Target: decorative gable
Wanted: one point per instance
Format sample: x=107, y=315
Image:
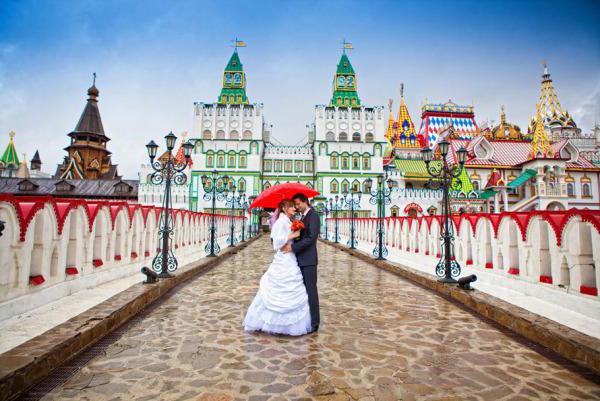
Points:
x=27, y=185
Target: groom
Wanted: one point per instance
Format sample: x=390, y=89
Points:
x=305, y=249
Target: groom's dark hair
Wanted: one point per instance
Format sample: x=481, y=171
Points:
x=302, y=197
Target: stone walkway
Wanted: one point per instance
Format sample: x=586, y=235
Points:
x=381, y=338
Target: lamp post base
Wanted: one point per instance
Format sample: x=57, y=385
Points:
x=165, y=275
x=447, y=280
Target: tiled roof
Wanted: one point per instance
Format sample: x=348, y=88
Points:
x=511, y=153
x=97, y=189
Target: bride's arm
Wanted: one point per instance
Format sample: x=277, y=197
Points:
x=280, y=234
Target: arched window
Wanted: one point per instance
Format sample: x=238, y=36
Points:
x=585, y=190
x=243, y=160
x=210, y=159
x=242, y=185
x=254, y=147
x=334, y=160
x=366, y=162
x=369, y=137
x=247, y=134
x=220, y=134
x=322, y=148
x=221, y=160
x=355, y=162
x=570, y=189
x=334, y=187
x=356, y=137
x=355, y=186
x=343, y=136
x=266, y=185
x=345, y=162
x=345, y=186
x=330, y=136
x=206, y=134
x=234, y=135
x=231, y=160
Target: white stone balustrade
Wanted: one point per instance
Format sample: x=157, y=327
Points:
x=53, y=247
x=549, y=255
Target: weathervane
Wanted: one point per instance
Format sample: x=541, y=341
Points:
x=346, y=46
x=238, y=43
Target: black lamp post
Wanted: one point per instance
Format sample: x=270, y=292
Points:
x=442, y=177
x=380, y=196
x=335, y=206
x=233, y=201
x=215, y=189
x=349, y=200
x=244, y=205
x=326, y=213
x=168, y=171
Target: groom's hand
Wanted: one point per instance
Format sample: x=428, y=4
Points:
x=286, y=248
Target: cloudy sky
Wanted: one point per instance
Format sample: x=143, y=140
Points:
x=155, y=58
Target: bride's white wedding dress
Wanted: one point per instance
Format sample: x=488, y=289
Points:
x=281, y=304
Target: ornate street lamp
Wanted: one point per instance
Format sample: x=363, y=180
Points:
x=215, y=188
x=442, y=177
x=381, y=196
x=335, y=205
x=348, y=200
x=233, y=201
x=168, y=171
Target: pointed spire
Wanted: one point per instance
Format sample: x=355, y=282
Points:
x=407, y=136
x=36, y=161
x=233, y=90
x=552, y=112
x=90, y=121
x=23, y=171
x=389, y=132
x=540, y=145
x=9, y=157
x=344, y=85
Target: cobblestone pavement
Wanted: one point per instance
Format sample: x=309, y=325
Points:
x=381, y=338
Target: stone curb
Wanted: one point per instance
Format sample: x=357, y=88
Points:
x=27, y=364
x=565, y=341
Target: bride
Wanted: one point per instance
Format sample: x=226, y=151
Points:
x=281, y=304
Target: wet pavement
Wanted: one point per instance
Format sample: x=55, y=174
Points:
x=381, y=338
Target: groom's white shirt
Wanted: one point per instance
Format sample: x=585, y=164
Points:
x=305, y=213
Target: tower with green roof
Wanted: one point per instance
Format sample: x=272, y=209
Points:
x=233, y=90
x=344, y=85
x=9, y=163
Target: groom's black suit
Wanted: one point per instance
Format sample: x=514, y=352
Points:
x=305, y=248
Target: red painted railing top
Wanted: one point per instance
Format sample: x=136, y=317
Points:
x=26, y=208
x=557, y=219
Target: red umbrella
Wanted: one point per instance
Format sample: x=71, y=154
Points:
x=270, y=198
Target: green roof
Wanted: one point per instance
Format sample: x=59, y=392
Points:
x=522, y=178
x=9, y=157
x=416, y=169
x=234, y=63
x=487, y=194
x=233, y=90
x=344, y=66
